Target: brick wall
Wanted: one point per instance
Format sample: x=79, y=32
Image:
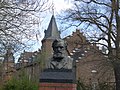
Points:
x=57, y=86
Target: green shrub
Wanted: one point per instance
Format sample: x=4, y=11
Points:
x=21, y=83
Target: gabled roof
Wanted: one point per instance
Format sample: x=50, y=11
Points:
x=52, y=30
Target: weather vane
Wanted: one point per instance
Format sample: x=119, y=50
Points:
x=52, y=7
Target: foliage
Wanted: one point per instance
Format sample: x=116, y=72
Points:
x=106, y=86
x=100, y=20
x=18, y=19
x=20, y=83
x=80, y=85
x=100, y=86
x=41, y=60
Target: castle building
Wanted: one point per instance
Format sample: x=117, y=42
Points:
x=51, y=34
x=91, y=67
x=90, y=63
x=8, y=64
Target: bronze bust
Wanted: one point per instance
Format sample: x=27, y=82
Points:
x=60, y=60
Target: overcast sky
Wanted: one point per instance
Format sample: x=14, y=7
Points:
x=58, y=6
x=61, y=5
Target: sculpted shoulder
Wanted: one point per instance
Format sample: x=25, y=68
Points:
x=59, y=59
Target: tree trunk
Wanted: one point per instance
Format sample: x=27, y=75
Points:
x=117, y=75
x=117, y=62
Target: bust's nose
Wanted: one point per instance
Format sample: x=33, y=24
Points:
x=59, y=48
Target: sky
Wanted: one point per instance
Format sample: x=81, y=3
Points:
x=61, y=5
x=58, y=6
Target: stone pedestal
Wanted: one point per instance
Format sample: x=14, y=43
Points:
x=57, y=86
x=52, y=79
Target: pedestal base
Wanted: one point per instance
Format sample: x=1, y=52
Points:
x=62, y=79
x=57, y=86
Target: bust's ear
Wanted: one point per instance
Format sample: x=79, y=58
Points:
x=66, y=44
x=53, y=43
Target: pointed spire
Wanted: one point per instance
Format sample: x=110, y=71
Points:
x=52, y=30
x=53, y=8
x=9, y=55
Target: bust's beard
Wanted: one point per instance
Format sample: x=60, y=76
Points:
x=58, y=56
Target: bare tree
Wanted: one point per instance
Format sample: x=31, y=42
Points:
x=101, y=19
x=18, y=22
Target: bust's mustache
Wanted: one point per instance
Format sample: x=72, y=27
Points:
x=58, y=55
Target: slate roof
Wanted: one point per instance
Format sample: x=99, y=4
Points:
x=52, y=30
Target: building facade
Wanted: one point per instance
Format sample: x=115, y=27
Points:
x=91, y=65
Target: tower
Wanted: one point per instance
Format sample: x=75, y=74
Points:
x=8, y=59
x=51, y=34
x=55, y=78
x=8, y=63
